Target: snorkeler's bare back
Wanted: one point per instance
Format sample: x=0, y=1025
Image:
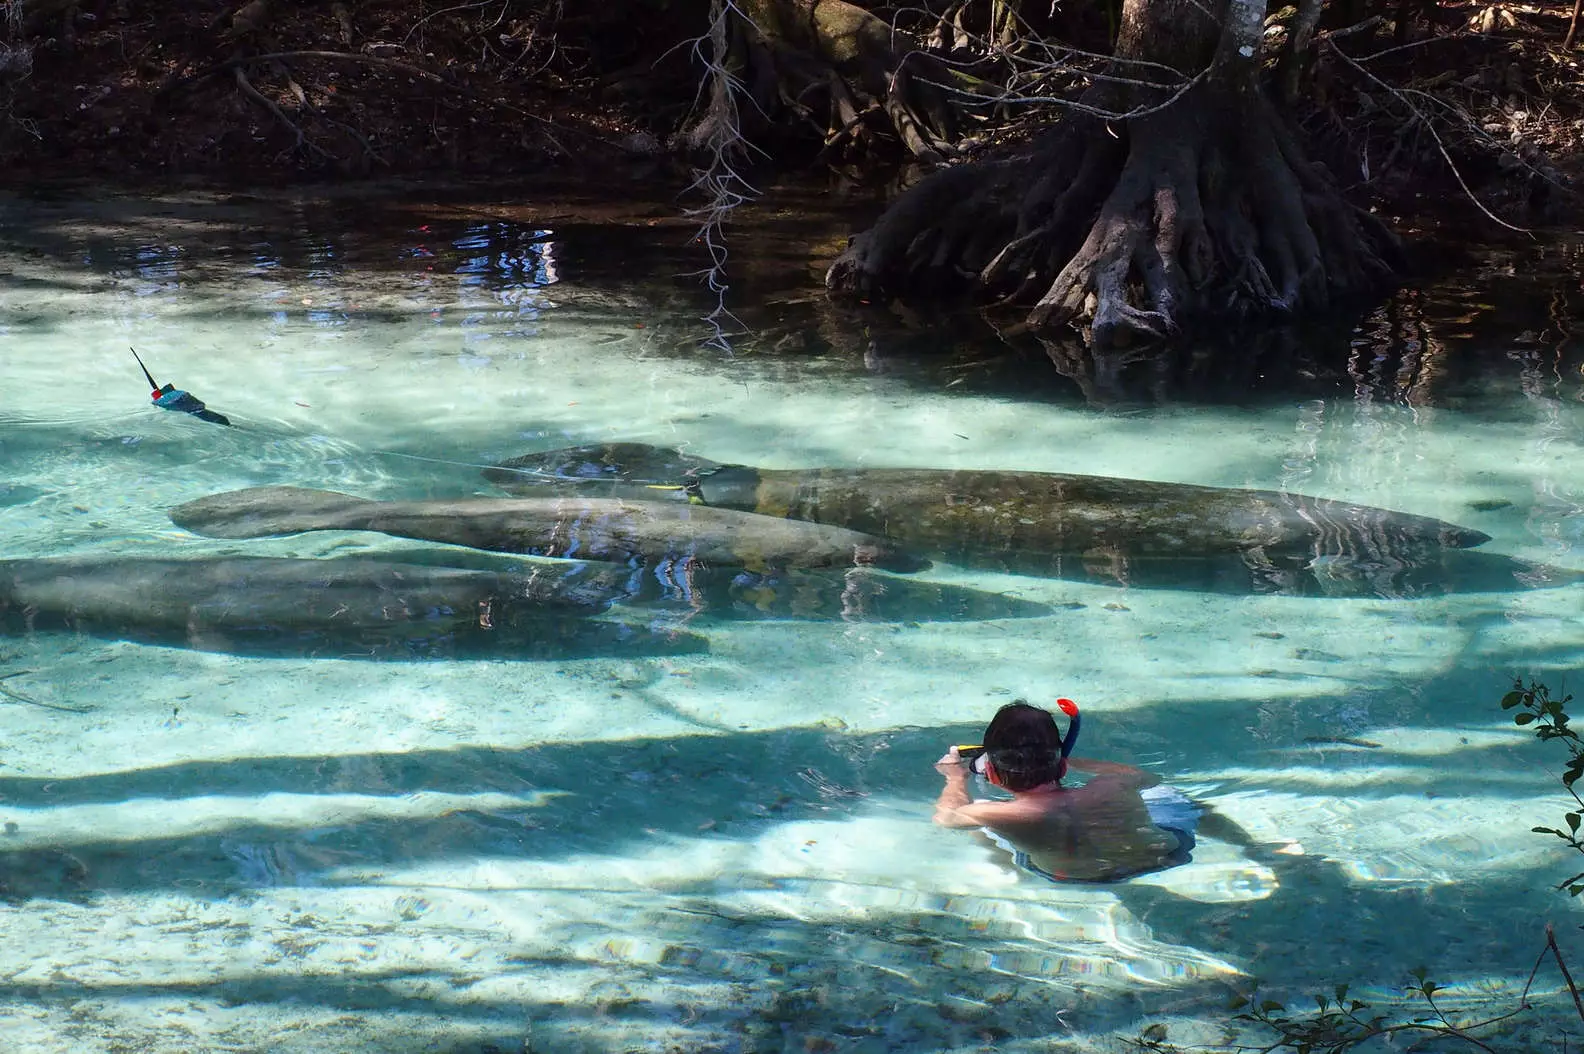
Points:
x=1097, y=832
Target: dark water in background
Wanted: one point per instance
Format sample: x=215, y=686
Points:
x=731, y=850
x=1469, y=322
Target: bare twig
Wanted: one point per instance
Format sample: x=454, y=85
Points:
x=328, y=56
x=1298, y=43
x=1566, y=976
x=1372, y=56
x=1402, y=96
x=1096, y=111
x=444, y=11
x=1523, y=997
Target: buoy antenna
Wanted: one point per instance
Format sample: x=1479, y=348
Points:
x=152, y=382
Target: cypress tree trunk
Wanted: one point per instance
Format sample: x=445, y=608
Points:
x=1198, y=204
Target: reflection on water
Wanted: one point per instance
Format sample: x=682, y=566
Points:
x=699, y=817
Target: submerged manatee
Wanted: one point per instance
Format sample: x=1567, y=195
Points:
x=611, y=529
x=1093, y=528
x=608, y=461
x=691, y=590
x=858, y=594
x=353, y=608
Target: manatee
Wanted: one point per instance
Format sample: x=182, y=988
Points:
x=692, y=590
x=352, y=608
x=1092, y=528
x=610, y=529
x=1432, y=573
x=859, y=594
x=609, y=461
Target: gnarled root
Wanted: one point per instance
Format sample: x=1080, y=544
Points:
x=869, y=76
x=1136, y=238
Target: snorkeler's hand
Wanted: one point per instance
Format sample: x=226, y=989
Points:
x=950, y=761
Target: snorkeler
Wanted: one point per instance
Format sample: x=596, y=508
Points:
x=1118, y=823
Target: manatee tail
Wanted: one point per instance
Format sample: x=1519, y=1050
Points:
x=258, y=512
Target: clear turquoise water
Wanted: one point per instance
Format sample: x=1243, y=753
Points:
x=731, y=850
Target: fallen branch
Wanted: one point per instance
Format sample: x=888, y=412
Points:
x=238, y=61
x=328, y=56
x=246, y=87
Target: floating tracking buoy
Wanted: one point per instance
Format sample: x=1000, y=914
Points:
x=169, y=397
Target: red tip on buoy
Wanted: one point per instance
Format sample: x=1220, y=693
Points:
x=154, y=395
x=1068, y=707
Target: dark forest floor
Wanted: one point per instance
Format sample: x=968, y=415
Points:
x=115, y=91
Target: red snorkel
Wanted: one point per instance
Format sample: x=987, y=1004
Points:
x=1070, y=740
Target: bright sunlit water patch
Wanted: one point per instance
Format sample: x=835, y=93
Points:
x=628, y=844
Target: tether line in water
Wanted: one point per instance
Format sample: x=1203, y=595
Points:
x=18, y=697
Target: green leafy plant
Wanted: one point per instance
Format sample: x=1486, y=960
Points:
x=1549, y=717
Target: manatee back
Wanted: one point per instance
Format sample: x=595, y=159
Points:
x=617, y=463
x=258, y=512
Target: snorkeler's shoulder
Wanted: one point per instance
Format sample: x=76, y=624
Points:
x=1110, y=774
x=1001, y=812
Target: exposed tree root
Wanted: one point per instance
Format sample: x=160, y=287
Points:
x=869, y=77
x=1193, y=215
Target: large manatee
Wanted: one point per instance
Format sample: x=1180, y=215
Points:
x=610, y=529
x=685, y=591
x=1090, y=528
x=353, y=608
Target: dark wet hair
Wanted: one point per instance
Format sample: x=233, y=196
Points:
x=1024, y=745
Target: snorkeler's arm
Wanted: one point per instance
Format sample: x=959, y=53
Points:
x=1130, y=774
x=955, y=804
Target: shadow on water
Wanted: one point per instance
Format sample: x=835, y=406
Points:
x=548, y=641
x=785, y=773
x=597, y=798
x=332, y=608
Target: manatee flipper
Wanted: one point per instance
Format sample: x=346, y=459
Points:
x=260, y=512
